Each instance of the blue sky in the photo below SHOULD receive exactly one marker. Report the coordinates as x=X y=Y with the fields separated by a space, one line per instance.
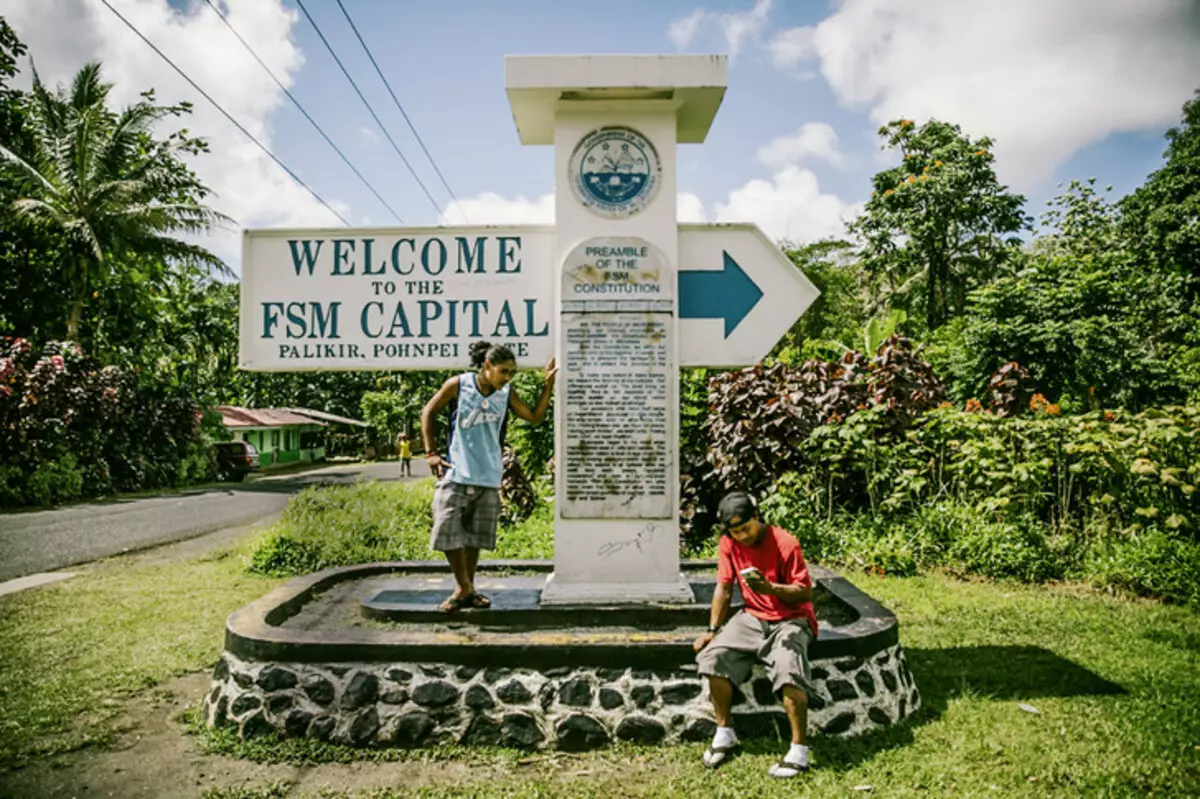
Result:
x=1073 y=88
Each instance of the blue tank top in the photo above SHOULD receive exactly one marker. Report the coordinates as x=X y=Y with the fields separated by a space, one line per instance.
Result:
x=475 y=455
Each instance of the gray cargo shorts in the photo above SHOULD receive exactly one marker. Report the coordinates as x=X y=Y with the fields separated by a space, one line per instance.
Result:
x=782 y=646
x=464 y=516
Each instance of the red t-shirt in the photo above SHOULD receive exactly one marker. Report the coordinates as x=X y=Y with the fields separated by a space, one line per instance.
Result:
x=778 y=556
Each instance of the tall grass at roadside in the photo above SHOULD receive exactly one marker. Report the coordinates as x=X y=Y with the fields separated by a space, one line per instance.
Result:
x=366 y=522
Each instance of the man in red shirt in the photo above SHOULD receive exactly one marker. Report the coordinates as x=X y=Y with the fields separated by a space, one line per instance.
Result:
x=775 y=627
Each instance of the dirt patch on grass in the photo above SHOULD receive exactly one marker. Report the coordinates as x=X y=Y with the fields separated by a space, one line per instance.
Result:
x=153 y=756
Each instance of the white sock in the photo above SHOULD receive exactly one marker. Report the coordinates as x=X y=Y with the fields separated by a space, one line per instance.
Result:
x=798 y=754
x=725 y=736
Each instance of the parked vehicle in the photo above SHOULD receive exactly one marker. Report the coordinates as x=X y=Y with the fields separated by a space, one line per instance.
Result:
x=235 y=460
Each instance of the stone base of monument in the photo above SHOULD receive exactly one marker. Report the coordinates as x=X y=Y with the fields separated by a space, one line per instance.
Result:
x=362 y=656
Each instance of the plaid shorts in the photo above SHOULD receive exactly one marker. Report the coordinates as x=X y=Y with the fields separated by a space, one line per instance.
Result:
x=782 y=646
x=464 y=516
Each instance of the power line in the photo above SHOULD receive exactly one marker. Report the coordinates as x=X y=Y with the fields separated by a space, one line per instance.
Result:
x=378 y=122
x=225 y=113
x=296 y=102
x=395 y=100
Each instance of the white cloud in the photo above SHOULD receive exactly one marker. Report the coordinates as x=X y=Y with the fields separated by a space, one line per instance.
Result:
x=815 y=139
x=490 y=208
x=791 y=47
x=368 y=135
x=789 y=206
x=735 y=27
x=690 y=208
x=1043 y=79
x=683 y=30
x=64 y=34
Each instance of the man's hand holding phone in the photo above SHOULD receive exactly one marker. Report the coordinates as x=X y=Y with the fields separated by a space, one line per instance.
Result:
x=755 y=580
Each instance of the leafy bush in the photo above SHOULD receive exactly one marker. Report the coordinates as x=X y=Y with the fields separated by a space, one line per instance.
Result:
x=860 y=541
x=983 y=506
x=326 y=526
x=518 y=499
x=533 y=444
x=758 y=419
x=56 y=481
x=1093 y=321
x=1003 y=549
x=1111 y=470
x=1154 y=564
x=1009 y=390
x=78 y=429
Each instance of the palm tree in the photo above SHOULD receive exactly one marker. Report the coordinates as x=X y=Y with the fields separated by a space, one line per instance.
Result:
x=106 y=186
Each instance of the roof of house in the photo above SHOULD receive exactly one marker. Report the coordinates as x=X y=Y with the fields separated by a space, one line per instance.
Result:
x=233 y=416
x=328 y=417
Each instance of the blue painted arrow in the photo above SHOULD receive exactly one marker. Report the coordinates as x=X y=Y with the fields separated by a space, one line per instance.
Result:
x=729 y=294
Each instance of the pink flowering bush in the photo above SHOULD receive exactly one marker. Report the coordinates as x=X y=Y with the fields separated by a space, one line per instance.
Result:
x=70 y=428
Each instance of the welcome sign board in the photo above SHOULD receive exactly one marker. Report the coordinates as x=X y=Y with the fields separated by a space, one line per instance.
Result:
x=410 y=298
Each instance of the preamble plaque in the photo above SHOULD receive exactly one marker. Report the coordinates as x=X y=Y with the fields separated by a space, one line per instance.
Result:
x=618 y=359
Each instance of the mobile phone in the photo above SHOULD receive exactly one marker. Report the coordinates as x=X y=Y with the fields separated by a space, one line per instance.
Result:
x=748 y=571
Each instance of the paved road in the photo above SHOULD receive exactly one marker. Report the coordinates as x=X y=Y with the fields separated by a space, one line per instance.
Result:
x=41 y=541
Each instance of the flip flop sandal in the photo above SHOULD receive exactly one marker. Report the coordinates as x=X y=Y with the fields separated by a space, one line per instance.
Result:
x=795 y=770
x=479 y=601
x=454 y=603
x=715 y=756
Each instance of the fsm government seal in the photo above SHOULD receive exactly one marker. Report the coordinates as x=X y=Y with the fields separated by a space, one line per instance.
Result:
x=615 y=171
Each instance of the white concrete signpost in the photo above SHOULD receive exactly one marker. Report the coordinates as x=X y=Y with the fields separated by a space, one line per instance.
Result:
x=619 y=292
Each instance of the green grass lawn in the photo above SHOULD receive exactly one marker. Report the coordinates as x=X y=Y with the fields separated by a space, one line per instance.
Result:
x=1115 y=683
x=71 y=651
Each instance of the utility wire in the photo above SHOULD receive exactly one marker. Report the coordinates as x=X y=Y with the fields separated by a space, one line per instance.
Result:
x=395 y=146
x=296 y=103
x=395 y=100
x=225 y=113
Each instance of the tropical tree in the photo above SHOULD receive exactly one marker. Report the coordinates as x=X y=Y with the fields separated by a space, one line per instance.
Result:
x=1162 y=222
x=1163 y=216
x=29 y=289
x=1082 y=315
x=105 y=187
x=938 y=224
x=829 y=326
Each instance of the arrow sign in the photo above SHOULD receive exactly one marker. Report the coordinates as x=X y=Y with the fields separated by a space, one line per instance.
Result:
x=729 y=294
x=738 y=295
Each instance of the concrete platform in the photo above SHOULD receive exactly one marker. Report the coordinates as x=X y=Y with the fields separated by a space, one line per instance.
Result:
x=362 y=656
x=319 y=618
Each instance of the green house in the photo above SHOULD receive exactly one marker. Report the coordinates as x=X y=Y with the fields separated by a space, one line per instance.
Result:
x=281 y=436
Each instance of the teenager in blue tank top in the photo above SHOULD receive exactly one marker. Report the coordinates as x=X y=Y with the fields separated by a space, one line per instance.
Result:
x=466 y=503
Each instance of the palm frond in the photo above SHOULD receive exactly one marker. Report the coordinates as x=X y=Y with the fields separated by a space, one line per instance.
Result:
x=38 y=211
x=28 y=169
x=87 y=89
